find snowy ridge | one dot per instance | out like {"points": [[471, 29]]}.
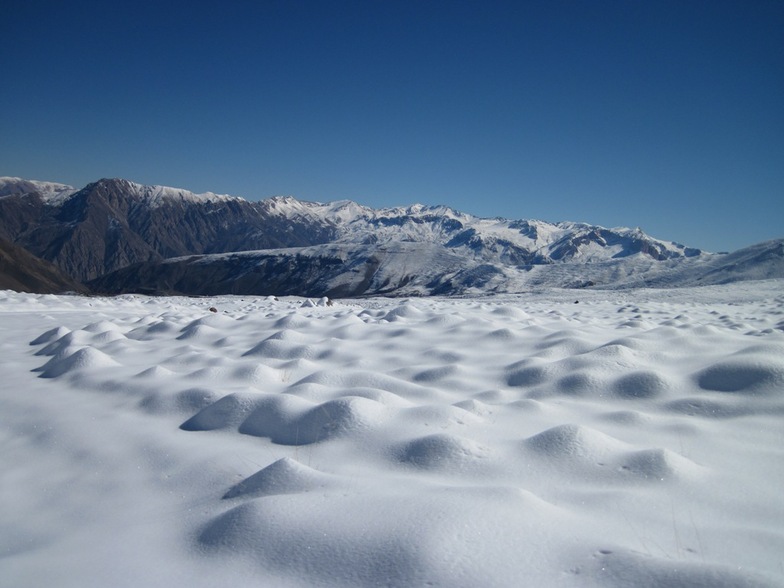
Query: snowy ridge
{"points": [[436, 224], [491, 239], [342, 248], [288, 207], [55, 194], [158, 195], [51, 192], [495, 240]]}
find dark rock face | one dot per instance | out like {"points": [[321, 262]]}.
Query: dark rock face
{"points": [[85, 236], [22, 271], [264, 275], [332, 271], [107, 226]]}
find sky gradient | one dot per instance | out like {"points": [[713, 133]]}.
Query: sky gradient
{"points": [[661, 114]]}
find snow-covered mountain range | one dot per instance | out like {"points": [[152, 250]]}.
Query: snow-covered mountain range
{"points": [[122, 236]]}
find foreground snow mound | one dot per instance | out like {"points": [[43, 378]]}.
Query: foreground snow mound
{"points": [[631, 439], [285, 476]]}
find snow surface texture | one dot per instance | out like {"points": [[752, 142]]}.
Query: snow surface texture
{"points": [[627, 438]]}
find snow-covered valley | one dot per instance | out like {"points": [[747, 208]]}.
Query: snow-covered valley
{"points": [[557, 438]]}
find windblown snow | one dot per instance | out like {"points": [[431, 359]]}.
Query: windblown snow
{"points": [[597, 439]]}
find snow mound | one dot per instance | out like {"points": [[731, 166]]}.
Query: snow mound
{"points": [[581, 383], [527, 376], [350, 378], [288, 420], [659, 464], [641, 385], [439, 441], [155, 372], [442, 451], [183, 402], [284, 476], [574, 441], [160, 329], [404, 312], [86, 358], [315, 551], [744, 376], [227, 412], [199, 331], [50, 335], [278, 349]]}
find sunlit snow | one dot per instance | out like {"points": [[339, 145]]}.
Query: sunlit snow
{"points": [[558, 438]]}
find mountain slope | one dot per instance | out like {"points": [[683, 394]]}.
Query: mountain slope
{"points": [[511, 242], [422, 269], [50, 191], [334, 270], [21, 271], [111, 224], [123, 236], [762, 261]]}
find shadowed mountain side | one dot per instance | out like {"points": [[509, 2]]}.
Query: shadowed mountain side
{"points": [[336, 271], [114, 223], [22, 271]]}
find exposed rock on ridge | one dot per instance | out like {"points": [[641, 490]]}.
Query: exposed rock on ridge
{"points": [[122, 236], [111, 224]]}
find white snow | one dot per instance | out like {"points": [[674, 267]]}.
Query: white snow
{"points": [[55, 194], [558, 438], [52, 192], [158, 195]]}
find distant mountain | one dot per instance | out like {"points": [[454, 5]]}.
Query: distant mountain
{"points": [[122, 236], [422, 269], [49, 191], [20, 270], [111, 224], [762, 261], [334, 270]]}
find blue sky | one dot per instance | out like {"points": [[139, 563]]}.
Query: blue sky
{"points": [[661, 114]]}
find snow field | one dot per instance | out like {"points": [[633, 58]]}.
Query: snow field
{"points": [[631, 438]]}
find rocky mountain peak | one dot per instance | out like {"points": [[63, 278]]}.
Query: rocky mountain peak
{"points": [[116, 227]]}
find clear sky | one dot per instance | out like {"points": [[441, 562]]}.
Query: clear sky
{"points": [[668, 115]]}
